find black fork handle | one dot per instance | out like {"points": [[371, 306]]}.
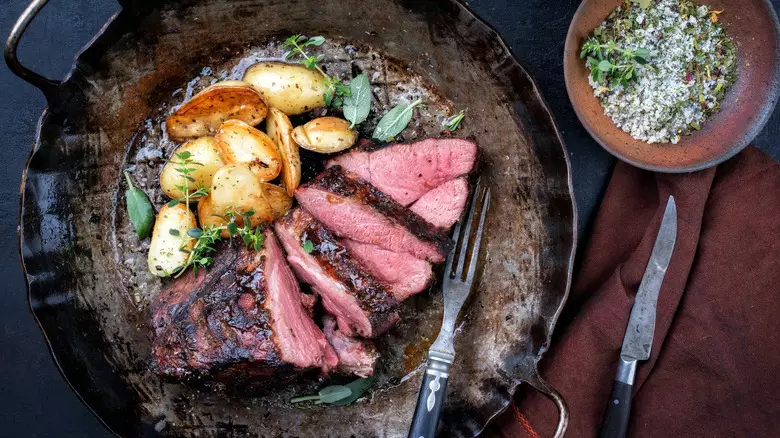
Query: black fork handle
{"points": [[431, 399]]}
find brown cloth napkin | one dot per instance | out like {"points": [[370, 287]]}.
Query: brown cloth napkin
{"points": [[715, 364]]}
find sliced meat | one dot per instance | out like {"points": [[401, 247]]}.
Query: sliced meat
{"points": [[244, 316], [356, 356], [402, 272], [353, 209], [405, 172], [443, 205], [360, 303]]}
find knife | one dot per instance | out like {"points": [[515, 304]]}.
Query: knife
{"points": [[638, 341]]}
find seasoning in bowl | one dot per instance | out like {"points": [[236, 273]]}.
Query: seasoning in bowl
{"points": [[660, 68]]}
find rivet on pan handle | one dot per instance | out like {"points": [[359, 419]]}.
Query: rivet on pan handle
{"points": [[563, 411], [47, 86]]}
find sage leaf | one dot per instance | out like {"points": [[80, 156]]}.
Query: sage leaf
{"points": [[334, 393], [453, 122], [395, 121], [139, 208], [358, 104], [358, 388]]}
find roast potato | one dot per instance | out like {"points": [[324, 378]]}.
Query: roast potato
{"points": [[240, 143], [208, 217], [170, 243], [277, 198], [202, 115], [279, 128], [206, 160], [325, 135], [291, 88], [236, 190]]}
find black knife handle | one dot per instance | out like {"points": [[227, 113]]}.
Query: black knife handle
{"points": [[615, 424], [430, 400]]}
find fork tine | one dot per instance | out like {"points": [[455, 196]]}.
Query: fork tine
{"points": [[451, 255], [478, 238], [464, 239]]}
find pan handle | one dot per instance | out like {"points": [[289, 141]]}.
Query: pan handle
{"points": [[47, 86], [563, 411]]}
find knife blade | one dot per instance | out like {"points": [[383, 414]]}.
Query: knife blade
{"points": [[638, 340]]}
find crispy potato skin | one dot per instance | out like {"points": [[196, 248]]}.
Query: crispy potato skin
{"points": [[167, 250], [325, 135], [207, 216], [240, 143], [277, 198], [206, 158], [291, 88], [237, 190], [279, 128], [205, 112]]}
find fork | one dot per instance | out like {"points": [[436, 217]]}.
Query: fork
{"points": [[455, 288]]}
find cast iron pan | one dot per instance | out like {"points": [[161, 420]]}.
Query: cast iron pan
{"points": [[753, 27], [88, 287]]}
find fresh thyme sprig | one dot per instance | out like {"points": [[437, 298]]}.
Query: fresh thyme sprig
{"points": [[335, 91], [185, 169], [206, 238], [610, 64]]}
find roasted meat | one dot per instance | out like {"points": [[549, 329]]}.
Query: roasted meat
{"points": [[352, 208], [360, 302], [443, 205], [245, 317], [405, 172], [356, 356], [403, 273]]}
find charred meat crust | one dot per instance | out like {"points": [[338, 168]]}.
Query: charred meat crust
{"points": [[337, 181], [372, 295], [199, 322]]}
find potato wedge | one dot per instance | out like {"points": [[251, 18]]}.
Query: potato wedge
{"points": [[325, 135], [206, 160], [208, 217], [240, 143], [202, 115], [291, 88], [277, 198], [237, 190], [170, 241], [279, 128]]}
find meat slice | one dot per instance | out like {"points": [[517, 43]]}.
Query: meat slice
{"points": [[356, 356], [244, 316], [443, 205], [360, 303], [354, 209], [403, 273], [405, 172]]}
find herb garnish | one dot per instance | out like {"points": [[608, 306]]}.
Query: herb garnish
{"points": [[206, 238], [395, 121], [339, 395], [308, 246], [453, 122], [186, 163], [335, 89], [139, 208], [358, 104], [610, 64]]}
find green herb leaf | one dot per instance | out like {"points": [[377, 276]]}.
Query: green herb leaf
{"points": [[184, 155], [195, 233], [358, 104], [358, 387], [139, 208], [308, 246], [395, 121], [174, 232], [334, 393], [173, 203], [232, 228], [642, 53], [453, 122], [644, 4], [605, 66], [314, 41]]}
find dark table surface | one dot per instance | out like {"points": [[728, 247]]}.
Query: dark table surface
{"points": [[36, 400]]}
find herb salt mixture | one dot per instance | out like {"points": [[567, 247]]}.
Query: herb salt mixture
{"points": [[660, 69]]}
